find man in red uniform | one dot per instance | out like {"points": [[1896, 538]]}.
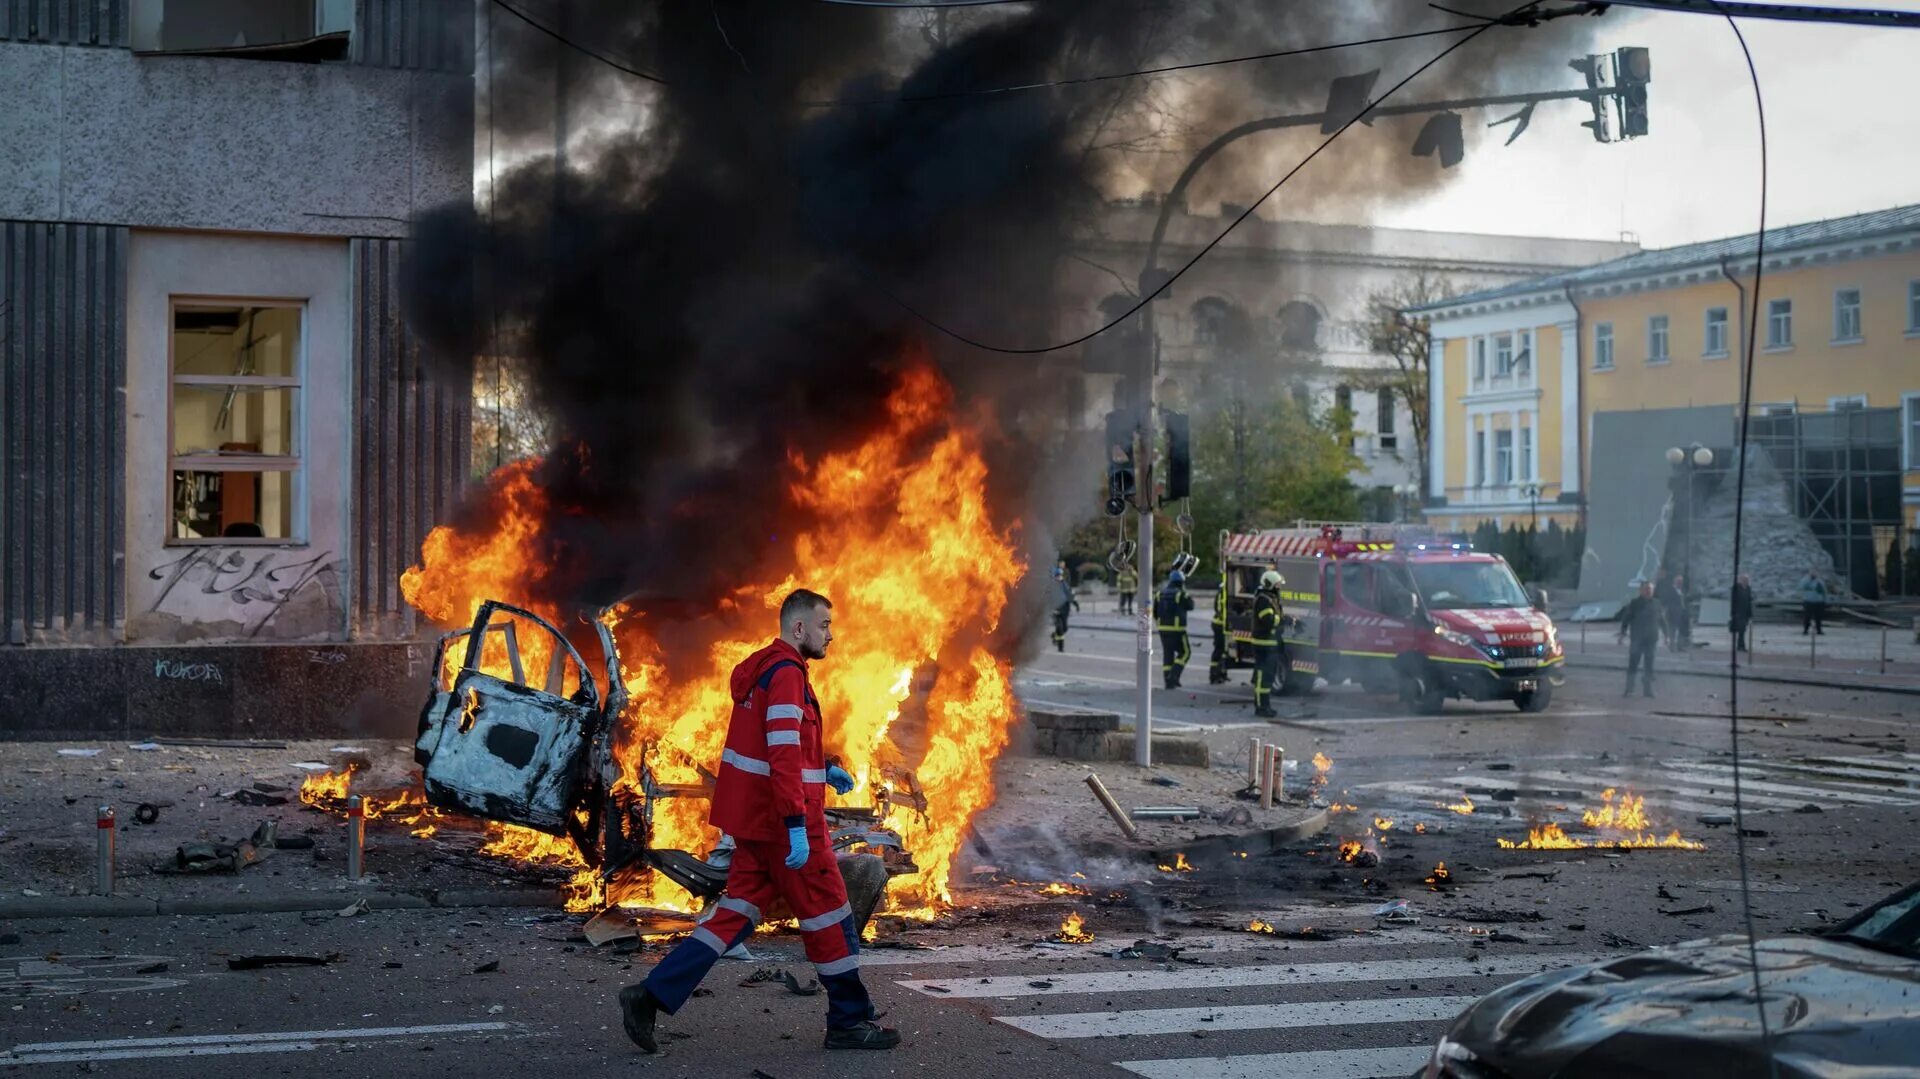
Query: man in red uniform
{"points": [[771, 798]]}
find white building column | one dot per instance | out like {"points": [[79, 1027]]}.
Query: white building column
{"points": [[1570, 419]]}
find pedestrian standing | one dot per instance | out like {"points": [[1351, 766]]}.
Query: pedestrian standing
{"points": [[1679, 622], [1128, 582], [1063, 602], [1217, 663], [1813, 603], [1267, 621], [770, 797], [1642, 620], [1170, 609], [1741, 613]]}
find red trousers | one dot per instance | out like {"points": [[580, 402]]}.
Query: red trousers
{"points": [[818, 898]]}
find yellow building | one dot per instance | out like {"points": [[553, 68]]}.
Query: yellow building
{"points": [[1541, 389]]}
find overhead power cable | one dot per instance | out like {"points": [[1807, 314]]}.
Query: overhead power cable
{"points": [[1234, 224], [1791, 12], [1739, 535], [987, 91]]}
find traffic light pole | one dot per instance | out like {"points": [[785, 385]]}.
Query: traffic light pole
{"points": [[1143, 610]]}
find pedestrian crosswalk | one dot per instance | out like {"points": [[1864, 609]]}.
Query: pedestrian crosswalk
{"points": [[1348, 1008], [1678, 787]]}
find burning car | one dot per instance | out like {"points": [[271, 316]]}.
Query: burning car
{"points": [[494, 746], [1843, 1002]]}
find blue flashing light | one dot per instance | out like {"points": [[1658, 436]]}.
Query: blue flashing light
{"points": [[1456, 546]]}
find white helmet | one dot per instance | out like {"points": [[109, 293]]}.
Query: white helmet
{"points": [[1272, 579]]}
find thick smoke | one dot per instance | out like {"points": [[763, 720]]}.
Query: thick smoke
{"points": [[709, 283]]}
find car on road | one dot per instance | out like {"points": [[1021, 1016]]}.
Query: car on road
{"points": [[1398, 609], [1844, 1002]]}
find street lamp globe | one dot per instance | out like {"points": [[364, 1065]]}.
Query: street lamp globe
{"points": [[1675, 455], [1702, 457]]}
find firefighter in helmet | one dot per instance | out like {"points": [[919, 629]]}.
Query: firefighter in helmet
{"points": [[1064, 601], [1217, 663], [1267, 622], [1170, 609]]}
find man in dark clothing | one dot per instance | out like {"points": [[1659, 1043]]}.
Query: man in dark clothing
{"points": [[1170, 609], [1741, 615], [1643, 618], [1064, 602], [1813, 603], [1217, 664], [1267, 619]]}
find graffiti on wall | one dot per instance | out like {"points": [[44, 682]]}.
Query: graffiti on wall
{"points": [[260, 582]]}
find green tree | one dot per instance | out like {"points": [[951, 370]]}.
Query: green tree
{"points": [[1406, 341], [1263, 462]]}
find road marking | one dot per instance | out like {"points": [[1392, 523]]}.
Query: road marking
{"points": [[1153, 981], [1703, 798], [1828, 792], [1319, 1013], [285, 1041], [1324, 1064], [1191, 947]]}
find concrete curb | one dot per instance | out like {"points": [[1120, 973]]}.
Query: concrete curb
{"points": [[1257, 842], [98, 906], [1747, 675]]}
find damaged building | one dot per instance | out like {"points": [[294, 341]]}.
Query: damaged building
{"points": [[223, 441]]}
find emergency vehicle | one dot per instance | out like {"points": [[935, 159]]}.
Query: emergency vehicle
{"points": [[1397, 609]]}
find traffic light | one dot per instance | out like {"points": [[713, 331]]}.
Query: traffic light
{"points": [[1632, 71], [1179, 456], [1120, 482], [1441, 135], [1347, 98], [1589, 66]]}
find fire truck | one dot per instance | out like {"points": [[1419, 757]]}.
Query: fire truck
{"points": [[1398, 609]]}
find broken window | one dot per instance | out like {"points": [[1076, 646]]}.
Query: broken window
{"points": [[234, 452], [307, 31], [1300, 326]]}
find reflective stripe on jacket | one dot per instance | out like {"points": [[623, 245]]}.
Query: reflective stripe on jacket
{"points": [[1170, 609], [773, 771], [1266, 619]]}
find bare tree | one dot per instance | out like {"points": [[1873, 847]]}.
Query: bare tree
{"points": [[1406, 340]]}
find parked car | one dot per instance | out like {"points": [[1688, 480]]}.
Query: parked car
{"points": [[1841, 1003]]}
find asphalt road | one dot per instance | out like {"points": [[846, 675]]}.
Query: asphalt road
{"points": [[1340, 994]]}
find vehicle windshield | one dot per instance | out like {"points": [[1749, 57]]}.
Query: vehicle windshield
{"points": [[1461, 585], [1893, 925]]}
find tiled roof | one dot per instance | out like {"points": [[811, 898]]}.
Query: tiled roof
{"points": [[1645, 263]]}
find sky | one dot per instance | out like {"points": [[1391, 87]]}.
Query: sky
{"points": [[1841, 132]]}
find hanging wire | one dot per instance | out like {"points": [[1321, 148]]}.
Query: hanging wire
{"points": [[493, 292], [1739, 521]]}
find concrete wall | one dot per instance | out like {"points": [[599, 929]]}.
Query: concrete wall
{"points": [[294, 591], [103, 136]]}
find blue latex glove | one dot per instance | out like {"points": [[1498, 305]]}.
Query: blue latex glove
{"points": [[797, 850], [839, 779]]}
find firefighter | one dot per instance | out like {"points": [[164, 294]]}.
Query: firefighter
{"points": [[1267, 620], [770, 797], [1170, 613], [1128, 582], [1217, 665], [1064, 602]]}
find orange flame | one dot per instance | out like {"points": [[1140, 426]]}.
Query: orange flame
{"points": [[919, 572], [1342, 807], [1058, 888], [1350, 850], [1071, 930], [1630, 815], [1441, 877], [1385, 824], [1180, 864], [1260, 926], [1322, 763], [1463, 807], [1552, 837]]}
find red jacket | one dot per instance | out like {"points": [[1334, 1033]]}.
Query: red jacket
{"points": [[773, 772]]}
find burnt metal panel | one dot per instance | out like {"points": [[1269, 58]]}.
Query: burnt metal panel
{"points": [[65, 22], [423, 35], [412, 434], [63, 296]]}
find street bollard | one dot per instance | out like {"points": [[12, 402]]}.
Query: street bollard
{"points": [[356, 836], [1253, 762], [1269, 765], [1883, 649], [103, 867], [1113, 808]]}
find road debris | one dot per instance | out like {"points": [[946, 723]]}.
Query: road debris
{"points": [[262, 962], [1072, 931], [223, 857], [78, 752], [354, 909], [146, 813]]}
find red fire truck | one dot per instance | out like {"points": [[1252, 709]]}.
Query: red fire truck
{"points": [[1396, 608]]}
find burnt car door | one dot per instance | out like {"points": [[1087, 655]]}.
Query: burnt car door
{"points": [[503, 750]]}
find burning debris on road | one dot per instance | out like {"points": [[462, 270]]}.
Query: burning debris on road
{"points": [[1626, 819], [1072, 931], [1463, 807], [1180, 864]]}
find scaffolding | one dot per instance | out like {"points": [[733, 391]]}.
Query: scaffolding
{"points": [[1844, 472]]}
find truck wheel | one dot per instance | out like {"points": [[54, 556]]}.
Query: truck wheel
{"points": [[1423, 693], [1535, 700]]}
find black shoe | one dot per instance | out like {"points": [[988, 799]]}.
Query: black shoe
{"points": [[637, 1012], [1266, 713], [868, 1035]]}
